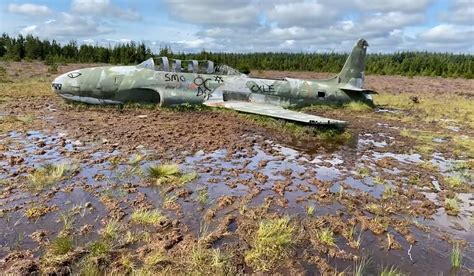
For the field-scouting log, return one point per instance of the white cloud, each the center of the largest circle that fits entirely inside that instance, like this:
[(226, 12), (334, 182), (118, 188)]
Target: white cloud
[(28, 30), (310, 13), (214, 12), (29, 9), (103, 8), (460, 11), (383, 23), (393, 5), (68, 25), (448, 33)]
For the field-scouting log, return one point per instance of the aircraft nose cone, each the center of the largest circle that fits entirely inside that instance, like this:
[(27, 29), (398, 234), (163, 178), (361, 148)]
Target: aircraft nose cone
[(57, 84)]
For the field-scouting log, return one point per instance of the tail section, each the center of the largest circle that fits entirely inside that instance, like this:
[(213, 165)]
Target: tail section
[(352, 73)]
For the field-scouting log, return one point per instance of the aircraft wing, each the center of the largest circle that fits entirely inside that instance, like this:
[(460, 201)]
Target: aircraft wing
[(277, 112)]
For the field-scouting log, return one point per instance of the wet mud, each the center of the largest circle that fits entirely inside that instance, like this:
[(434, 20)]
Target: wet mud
[(381, 199)]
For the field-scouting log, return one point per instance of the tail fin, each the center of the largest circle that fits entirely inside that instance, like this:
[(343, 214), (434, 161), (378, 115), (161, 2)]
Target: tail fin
[(352, 74)]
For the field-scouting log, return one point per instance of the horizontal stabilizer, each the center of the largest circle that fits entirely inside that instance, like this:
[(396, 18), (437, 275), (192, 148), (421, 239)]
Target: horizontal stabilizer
[(278, 112), (350, 88)]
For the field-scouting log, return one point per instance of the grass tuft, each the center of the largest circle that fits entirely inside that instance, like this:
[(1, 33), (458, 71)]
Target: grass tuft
[(453, 181), (154, 258), (111, 230), (36, 212), (271, 243), (169, 174), (358, 106), (326, 236), (147, 217), (310, 210), (61, 245), (360, 266), (456, 256), (203, 196), (363, 172), (451, 206), (48, 175), (390, 271)]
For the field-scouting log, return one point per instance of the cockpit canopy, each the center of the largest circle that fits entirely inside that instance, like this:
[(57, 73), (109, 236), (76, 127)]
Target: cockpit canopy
[(187, 66)]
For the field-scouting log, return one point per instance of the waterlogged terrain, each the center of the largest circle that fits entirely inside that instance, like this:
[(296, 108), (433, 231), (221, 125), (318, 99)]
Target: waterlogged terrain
[(93, 190)]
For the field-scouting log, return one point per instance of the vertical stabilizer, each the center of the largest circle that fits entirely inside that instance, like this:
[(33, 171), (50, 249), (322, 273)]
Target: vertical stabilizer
[(352, 74)]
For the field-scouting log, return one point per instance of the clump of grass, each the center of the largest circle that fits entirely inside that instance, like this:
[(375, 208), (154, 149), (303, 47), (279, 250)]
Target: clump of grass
[(147, 217), (451, 206), (379, 180), (390, 271), (335, 136), (326, 236), (414, 179), (360, 266), (61, 245), (453, 181), (36, 211), (99, 248), (310, 210), (208, 261), (374, 208), (363, 172), (48, 175), (358, 106), (456, 256), (169, 174), (111, 230), (154, 258), (388, 193), (203, 196), (135, 160), (271, 243)]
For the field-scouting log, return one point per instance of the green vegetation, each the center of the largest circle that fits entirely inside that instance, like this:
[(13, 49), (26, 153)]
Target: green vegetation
[(401, 63), (388, 193), (358, 106), (326, 236), (360, 266), (36, 212), (61, 245), (147, 217), (391, 271), (111, 229), (154, 258), (363, 172), (203, 196), (48, 175), (310, 210), (454, 181), (451, 206), (271, 243), (169, 174), (456, 257)]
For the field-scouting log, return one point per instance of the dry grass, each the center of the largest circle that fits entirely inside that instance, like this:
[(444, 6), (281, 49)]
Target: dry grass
[(49, 174), (147, 217), (169, 174)]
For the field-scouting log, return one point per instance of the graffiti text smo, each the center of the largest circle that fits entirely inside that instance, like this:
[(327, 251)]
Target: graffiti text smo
[(174, 77)]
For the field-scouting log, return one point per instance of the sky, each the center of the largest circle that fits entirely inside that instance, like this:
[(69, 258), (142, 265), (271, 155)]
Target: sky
[(249, 25)]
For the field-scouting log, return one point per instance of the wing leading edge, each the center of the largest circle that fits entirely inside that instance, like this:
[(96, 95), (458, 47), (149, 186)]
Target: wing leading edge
[(278, 112)]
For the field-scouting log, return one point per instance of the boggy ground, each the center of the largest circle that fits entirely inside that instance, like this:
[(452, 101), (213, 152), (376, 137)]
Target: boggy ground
[(142, 190)]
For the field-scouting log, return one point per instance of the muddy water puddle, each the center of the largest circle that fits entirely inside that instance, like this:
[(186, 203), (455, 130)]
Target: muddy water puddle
[(289, 181)]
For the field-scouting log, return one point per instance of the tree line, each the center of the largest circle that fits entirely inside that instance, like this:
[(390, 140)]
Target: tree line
[(399, 63)]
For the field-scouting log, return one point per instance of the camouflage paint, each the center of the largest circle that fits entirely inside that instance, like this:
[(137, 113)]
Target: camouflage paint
[(142, 83)]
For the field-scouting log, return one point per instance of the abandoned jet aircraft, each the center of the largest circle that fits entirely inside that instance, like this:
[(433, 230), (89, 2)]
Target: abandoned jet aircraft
[(174, 82)]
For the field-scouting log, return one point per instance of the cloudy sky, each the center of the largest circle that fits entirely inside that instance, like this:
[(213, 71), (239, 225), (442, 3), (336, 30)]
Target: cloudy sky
[(250, 25)]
